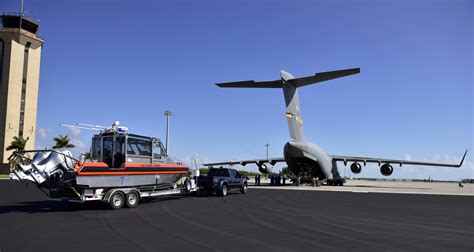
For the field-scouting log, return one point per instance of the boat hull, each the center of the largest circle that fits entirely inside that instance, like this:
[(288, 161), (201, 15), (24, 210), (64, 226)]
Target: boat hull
[(127, 180), (98, 174)]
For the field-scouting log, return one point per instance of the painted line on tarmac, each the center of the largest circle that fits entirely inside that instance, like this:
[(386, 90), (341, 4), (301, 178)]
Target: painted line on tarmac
[(352, 191)]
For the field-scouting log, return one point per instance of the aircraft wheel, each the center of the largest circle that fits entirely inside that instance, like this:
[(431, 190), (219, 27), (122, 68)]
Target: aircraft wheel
[(116, 200), (131, 199)]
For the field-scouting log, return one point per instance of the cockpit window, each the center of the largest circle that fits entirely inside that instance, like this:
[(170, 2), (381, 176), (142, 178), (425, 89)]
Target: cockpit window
[(119, 153), (139, 147), (96, 148), (107, 155), (158, 149)]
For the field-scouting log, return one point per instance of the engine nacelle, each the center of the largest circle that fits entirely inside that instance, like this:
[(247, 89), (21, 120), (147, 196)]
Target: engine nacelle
[(265, 168), (356, 168), (386, 169)]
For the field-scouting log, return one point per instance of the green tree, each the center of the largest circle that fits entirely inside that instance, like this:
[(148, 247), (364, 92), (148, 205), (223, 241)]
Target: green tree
[(203, 171), (87, 156), (18, 143), (62, 142)]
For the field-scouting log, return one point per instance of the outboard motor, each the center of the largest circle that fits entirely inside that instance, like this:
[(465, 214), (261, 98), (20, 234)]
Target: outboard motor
[(44, 165)]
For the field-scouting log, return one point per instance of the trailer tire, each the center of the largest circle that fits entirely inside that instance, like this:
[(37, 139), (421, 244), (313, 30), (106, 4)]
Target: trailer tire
[(131, 199), (116, 200)]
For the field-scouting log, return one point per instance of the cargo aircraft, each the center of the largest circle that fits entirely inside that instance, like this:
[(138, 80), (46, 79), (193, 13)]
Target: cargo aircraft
[(305, 159)]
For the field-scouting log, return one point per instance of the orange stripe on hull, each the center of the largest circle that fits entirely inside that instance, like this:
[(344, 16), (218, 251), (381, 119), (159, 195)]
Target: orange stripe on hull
[(129, 173)]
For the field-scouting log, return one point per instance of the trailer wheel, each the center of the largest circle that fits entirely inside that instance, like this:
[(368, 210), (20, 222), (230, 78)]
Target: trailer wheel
[(116, 200), (223, 191), (132, 199)]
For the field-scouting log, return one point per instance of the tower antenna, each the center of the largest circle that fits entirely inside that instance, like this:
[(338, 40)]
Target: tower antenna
[(21, 8), (21, 14)]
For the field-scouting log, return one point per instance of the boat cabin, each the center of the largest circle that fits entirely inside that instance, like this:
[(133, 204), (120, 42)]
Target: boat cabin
[(116, 148)]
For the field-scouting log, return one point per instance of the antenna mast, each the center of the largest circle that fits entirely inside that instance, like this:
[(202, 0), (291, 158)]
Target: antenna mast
[(168, 114)]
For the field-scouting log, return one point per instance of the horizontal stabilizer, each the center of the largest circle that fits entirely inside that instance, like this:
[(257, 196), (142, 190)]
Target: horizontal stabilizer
[(297, 82), (252, 84), (323, 76)]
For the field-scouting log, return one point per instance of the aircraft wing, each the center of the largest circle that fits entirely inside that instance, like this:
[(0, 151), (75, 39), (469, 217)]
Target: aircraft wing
[(272, 161), (365, 160)]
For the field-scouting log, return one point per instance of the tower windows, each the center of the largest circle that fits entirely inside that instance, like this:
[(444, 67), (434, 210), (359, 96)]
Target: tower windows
[(23, 89)]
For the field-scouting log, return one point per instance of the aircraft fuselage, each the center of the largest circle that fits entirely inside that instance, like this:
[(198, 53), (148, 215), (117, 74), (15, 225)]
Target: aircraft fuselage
[(307, 159)]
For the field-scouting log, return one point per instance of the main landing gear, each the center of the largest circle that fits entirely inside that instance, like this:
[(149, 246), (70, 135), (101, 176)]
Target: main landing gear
[(335, 182)]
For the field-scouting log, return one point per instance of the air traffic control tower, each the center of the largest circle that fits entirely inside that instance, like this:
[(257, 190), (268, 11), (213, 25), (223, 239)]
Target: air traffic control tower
[(20, 54)]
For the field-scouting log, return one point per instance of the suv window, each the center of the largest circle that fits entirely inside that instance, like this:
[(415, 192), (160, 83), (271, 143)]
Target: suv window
[(232, 173)]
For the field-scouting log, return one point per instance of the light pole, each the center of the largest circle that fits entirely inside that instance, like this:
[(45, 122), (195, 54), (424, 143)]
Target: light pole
[(266, 145), (167, 114)]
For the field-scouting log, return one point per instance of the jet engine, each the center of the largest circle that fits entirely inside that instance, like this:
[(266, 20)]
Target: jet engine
[(356, 168), (265, 168), (386, 169)]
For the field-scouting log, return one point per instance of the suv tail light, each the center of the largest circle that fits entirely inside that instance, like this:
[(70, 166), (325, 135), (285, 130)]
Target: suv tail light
[(214, 181)]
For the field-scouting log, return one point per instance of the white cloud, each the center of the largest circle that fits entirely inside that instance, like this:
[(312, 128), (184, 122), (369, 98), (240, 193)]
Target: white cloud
[(41, 133), (74, 131), (78, 143), (408, 157), (192, 161)]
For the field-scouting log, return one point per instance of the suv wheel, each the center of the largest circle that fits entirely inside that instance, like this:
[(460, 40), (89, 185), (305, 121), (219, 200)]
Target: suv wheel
[(223, 192), (244, 188)]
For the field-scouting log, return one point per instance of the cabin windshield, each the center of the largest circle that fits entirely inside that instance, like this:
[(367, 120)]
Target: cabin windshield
[(107, 153), (137, 146), (119, 151), (158, 149), (96, 149)]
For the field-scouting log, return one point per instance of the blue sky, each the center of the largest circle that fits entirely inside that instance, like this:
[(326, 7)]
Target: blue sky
[(132, 60)]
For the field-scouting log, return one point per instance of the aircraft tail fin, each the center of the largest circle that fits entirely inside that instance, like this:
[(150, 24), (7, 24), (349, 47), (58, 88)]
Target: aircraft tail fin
[(290, 84)]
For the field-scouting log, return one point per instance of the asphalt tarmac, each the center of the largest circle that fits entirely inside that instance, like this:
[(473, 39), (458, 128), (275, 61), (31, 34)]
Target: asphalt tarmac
[(281, 220)]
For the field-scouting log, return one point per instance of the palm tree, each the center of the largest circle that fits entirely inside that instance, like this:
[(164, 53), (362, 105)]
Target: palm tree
[(18, 143), (62, 142), (87, 156)]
